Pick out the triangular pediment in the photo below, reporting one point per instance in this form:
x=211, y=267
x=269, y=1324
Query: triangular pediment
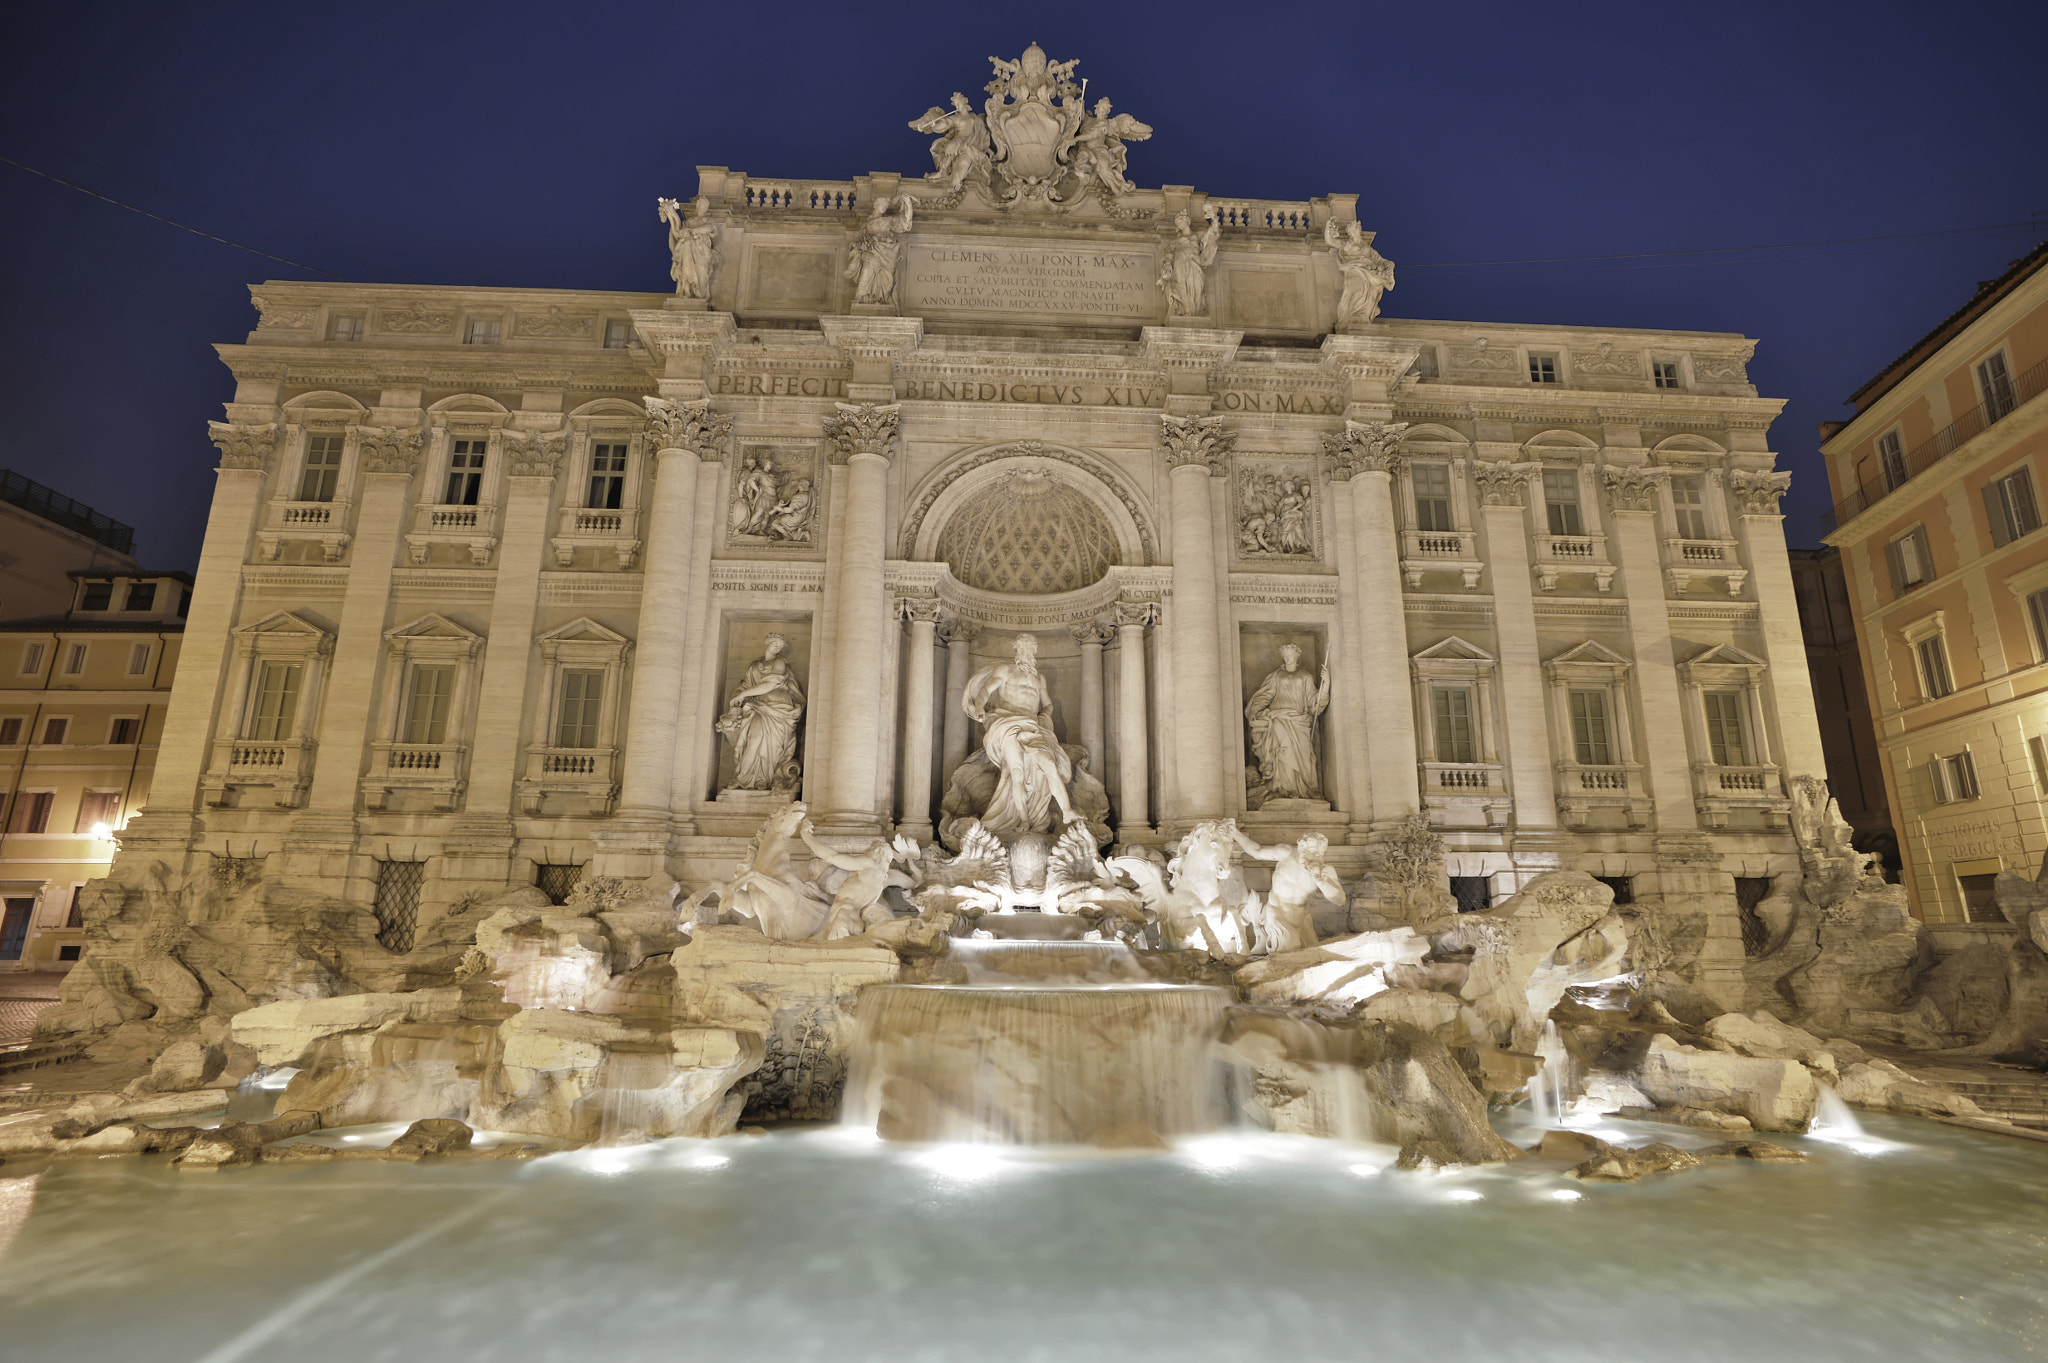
x=582, y=630
x=433, y=625
x=283, y=624
x=1724, y=655
x=1591, y=651
x=1454, y=649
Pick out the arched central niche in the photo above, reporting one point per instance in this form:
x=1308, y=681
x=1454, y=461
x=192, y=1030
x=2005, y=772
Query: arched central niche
x=1028, y=532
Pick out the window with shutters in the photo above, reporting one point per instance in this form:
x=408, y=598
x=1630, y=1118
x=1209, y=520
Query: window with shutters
x=1994, y=384
x=32, y=811
x=273, y=716
x=1953, y=777
x=322, y=472
x=56, y=729
x=2037, y=618
x=1590, y=746
x=465, y=472
x=11, y=730
x=607, y=476
x=1453, y=710
x=124, y=730
x=2037, y=753
x=32, y=658
x=582, y=705
x=1689, y=505
x=138, y=659
x=74, y=660
x=1561, y=501
x=427, y=703
x=1931, y=657
x=1891, y=458
x=2009, y=504
x=98, y=808
x=1432, y=496
x=1726, y=740
x=1909, y=561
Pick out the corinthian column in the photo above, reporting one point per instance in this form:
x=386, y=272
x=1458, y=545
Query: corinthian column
x=918, y=719
x=1368, y=454
x=1134, y=766
x=683, y=434
x=1195, y=449
x=863, y=434
x=1503, y=496
x=959, y=636
x=1092, y=636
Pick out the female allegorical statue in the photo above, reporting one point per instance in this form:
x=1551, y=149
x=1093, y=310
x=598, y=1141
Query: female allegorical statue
x=1013, y=705
x=1283, y=714
x=760, y=721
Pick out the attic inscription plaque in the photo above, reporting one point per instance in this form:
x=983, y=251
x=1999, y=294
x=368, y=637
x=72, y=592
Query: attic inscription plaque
x=1047, y=281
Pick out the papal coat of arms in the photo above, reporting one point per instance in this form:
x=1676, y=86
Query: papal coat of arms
x=1035, y=144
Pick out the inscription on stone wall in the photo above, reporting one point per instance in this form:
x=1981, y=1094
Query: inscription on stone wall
x=1054, y=283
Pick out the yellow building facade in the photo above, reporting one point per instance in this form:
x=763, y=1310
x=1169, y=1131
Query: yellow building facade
x=1939, y=482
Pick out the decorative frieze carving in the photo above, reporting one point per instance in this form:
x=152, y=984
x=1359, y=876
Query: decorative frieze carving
x=554, y=322
x=1483, y=357
x=1196, y=439
x=1365, y=447
x=415, y=318
x=774, y=497
x=1604, y=361
x=862, y=428
x=1139, y=613
x=533, y=454
x=691, y=426
x=1721, y=368
x=386, y=449
x=1758, y=491
x=1502, y=484
x=1633, y=489
x=282, y=316
x=243, y=447
x=1275, y=510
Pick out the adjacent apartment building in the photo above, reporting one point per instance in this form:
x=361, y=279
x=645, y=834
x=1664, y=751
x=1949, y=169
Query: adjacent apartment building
x=83, y=693
x=1938, y=482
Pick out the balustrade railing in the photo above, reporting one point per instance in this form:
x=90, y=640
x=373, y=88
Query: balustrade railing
x=825, y=196
x=1939, y=446
x=1264, y=215
x=267, y=757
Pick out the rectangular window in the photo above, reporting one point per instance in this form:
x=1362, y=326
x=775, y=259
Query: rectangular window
x=15, y=914
x=426, y=710
x=32, y=811
x=74, y=660
x=1432, y=496
x=1665, y=372
x=607, y=476
x=1891, y=459
x=2037, y=749
x=618, y=334
x=1935, y=681
x=138, y=659
x=1725, y=739
x=344, y=328
x=582, y=699
x=1425, y=363
x=484, y=331
x=2009, y=502
x=398, y=902
x=277, y=703
x=55, y=731
x=126, y=729
x=1561, y=499
x=323, y=468
x=1980, y=898
x=1909, y=560
x=141, y=597
x=98, y=596
x=1473, y=893
x=98, y=807
x=1453, y=705
x=76, y=917
x=1589, y=729
x=466, y=472
x=10, y=731
x=1954, y=778
x=1995, y=382
x=1689, y=505
x=2037, y=615
x=1542, y=367
x=31, y=659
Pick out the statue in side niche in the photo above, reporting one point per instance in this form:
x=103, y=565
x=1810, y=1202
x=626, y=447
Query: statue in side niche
x=1013, y=704
x=1283, y=714
x=692, y=246
x=877, y=247
x=962, y=151
x=1283, y=922
x=1184, y=270
x=760, y=721
x=1367, y=274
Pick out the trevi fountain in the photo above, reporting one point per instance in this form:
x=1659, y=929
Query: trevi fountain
x=1011, y=772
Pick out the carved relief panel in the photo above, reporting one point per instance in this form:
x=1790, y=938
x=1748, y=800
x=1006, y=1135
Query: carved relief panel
x=775, y=496
x=1275, y=516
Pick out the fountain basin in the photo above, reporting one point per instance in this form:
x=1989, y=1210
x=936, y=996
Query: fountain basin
x=1036, y=1064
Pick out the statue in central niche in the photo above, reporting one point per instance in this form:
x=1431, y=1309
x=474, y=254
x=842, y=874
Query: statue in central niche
x=1283, y=714
x=1013, y=704
x=760, y=721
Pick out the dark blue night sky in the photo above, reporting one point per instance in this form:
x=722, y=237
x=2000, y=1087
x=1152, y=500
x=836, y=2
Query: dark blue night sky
x=524, y=145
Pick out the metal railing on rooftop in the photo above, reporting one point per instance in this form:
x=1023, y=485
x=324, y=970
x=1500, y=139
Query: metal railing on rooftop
x=1936, y=448
x=54, y=507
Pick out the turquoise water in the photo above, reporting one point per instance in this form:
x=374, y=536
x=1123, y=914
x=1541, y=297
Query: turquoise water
x=1925, y=1243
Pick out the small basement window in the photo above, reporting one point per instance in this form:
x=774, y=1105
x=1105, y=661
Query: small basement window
x=1473, y=893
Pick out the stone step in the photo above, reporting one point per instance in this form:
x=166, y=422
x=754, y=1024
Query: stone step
x=33, y=1055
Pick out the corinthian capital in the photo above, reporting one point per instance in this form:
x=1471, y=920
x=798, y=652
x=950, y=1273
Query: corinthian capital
x=536, y=455
x=691, y=426
x=862, y=428
x=386, y=449
x=1758, y=491
x=243, y=447
x=1365, y=447
x=1633, y=488
x=1195, y=440
x=1502, y=484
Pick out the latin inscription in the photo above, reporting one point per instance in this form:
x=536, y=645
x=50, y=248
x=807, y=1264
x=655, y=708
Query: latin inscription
x=1053, y=394
x=1013, y=279
x=1309, y=404
x=778, y=385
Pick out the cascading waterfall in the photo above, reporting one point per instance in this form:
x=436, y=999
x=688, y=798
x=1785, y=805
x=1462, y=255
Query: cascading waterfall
x=1031, y=1053
x=1547, y=1086
x=1834, y=1119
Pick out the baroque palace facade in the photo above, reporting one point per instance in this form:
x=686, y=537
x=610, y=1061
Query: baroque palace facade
x=495, y=580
